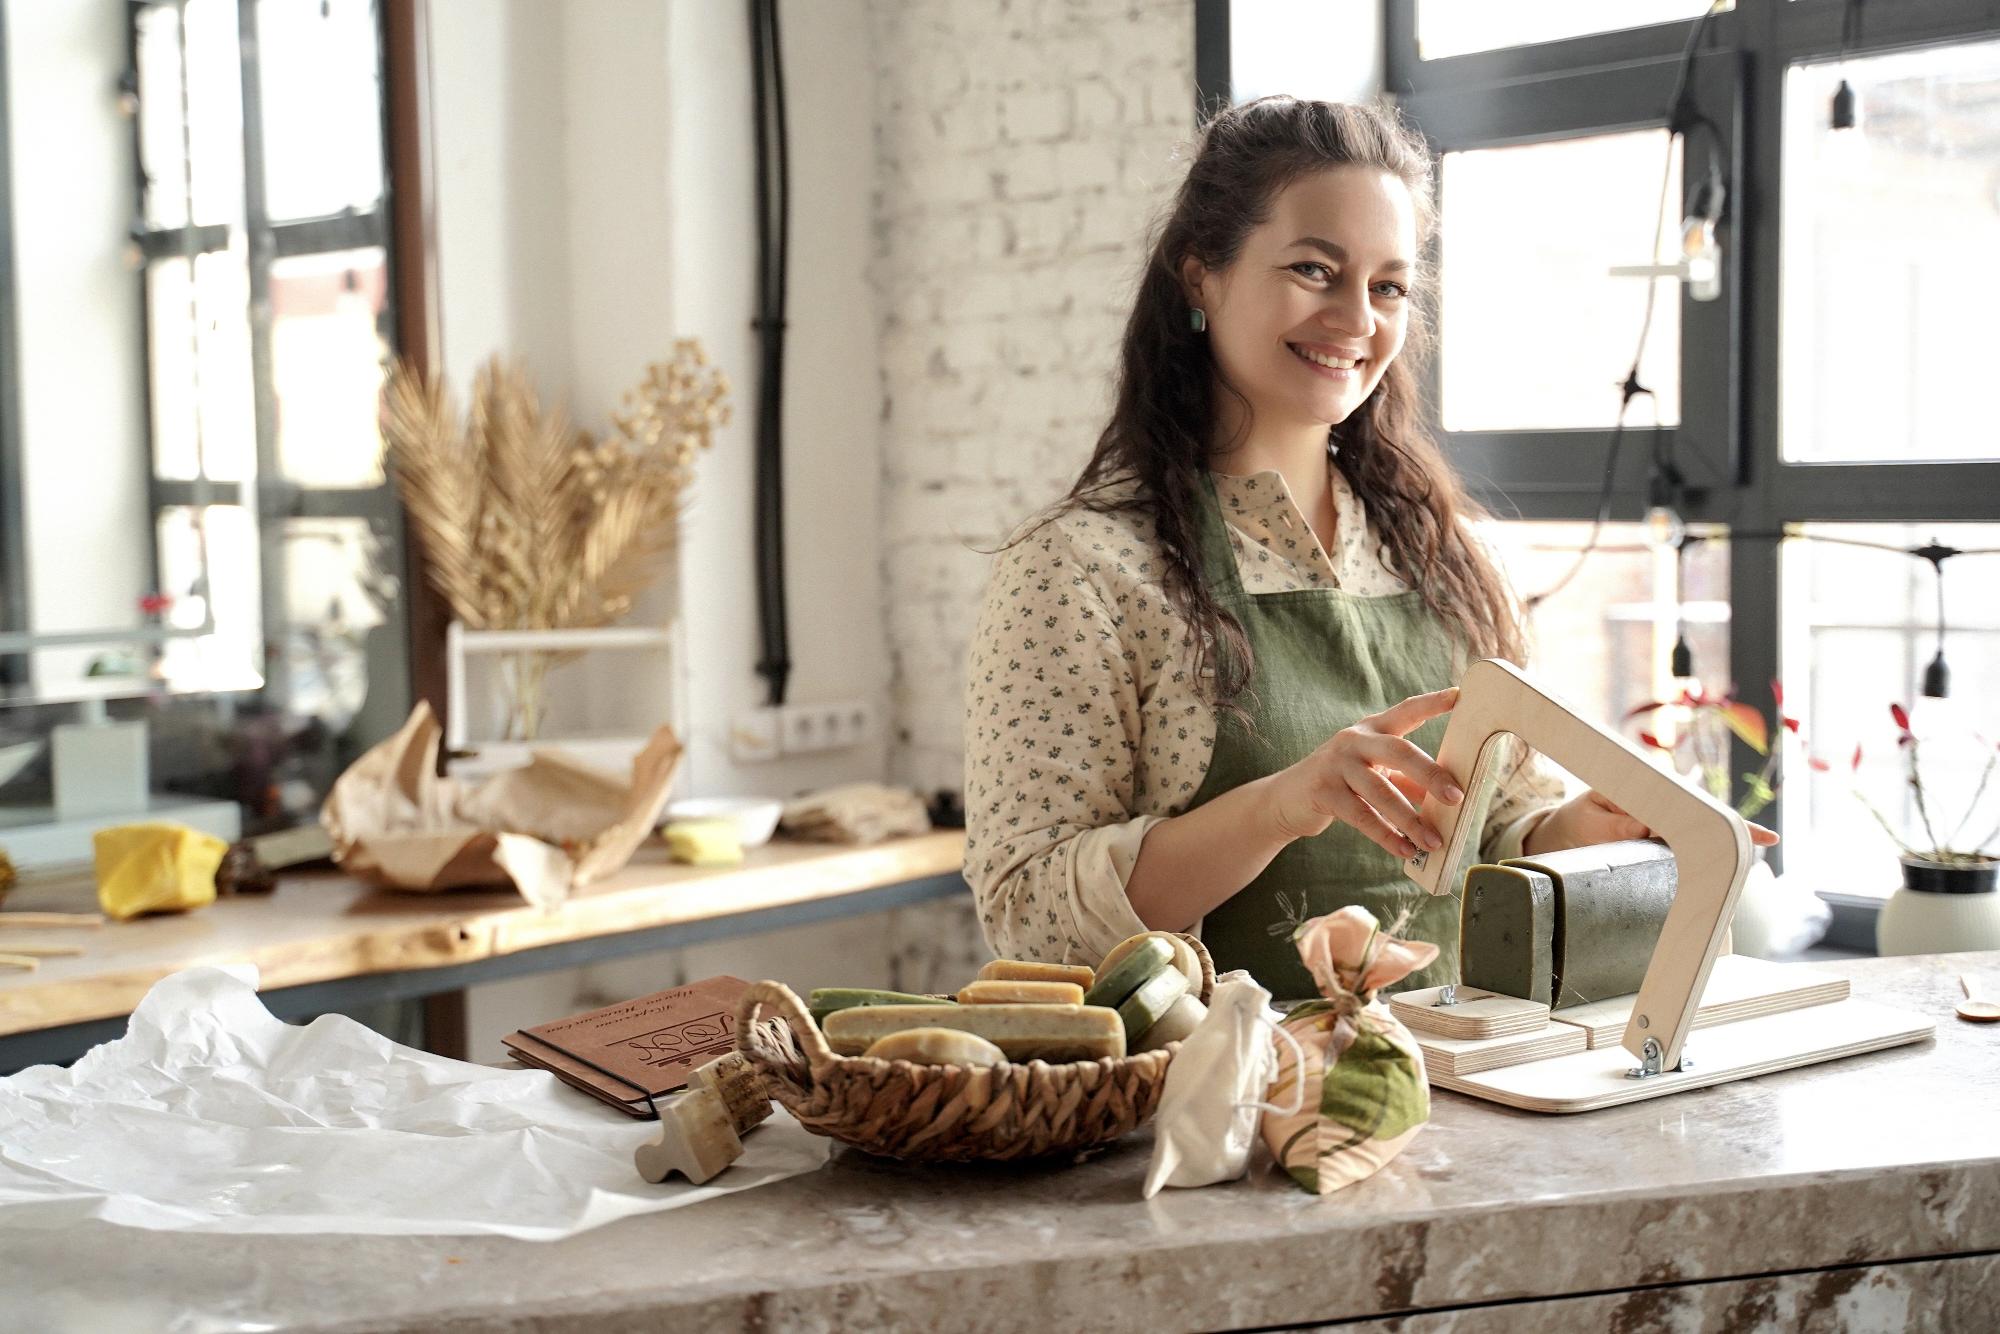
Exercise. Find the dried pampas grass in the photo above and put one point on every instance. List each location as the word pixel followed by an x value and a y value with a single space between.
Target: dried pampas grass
pixel 528 523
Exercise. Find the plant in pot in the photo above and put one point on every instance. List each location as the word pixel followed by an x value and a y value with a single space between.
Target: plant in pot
pixel 1772 919
pixel 1947 900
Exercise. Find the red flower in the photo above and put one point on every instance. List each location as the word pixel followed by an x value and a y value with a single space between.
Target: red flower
pixel 1778 693
pixel 1857 757
pixel 1649 739
pixel 1818 765
pixel 1791 724
pixel 1902 717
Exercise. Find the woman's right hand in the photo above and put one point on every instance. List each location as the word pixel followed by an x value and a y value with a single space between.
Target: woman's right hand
pixel 1369 776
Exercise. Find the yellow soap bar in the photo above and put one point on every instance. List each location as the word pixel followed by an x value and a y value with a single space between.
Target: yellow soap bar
pixel 1027 970
pixel 705 842
pixel 155 867
pixel 1023 1032
pixel 991 991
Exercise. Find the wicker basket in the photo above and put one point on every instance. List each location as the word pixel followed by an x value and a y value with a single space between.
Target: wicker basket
pixel 947 1113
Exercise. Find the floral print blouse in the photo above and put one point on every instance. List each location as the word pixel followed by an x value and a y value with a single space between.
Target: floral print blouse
pixel 1084 726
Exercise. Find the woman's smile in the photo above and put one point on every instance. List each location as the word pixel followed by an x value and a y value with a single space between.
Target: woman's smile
pixel 1339 366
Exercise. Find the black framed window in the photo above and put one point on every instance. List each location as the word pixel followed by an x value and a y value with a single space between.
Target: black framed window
pixel 265 236
pixel 1782 451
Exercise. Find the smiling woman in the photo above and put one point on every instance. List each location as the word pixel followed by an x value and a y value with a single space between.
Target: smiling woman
pixel 1205 687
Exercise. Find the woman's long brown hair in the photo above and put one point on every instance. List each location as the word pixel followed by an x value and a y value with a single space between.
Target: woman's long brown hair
pixel 1159 432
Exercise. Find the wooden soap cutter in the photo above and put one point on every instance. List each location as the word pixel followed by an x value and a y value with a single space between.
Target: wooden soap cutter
pixel 1711 847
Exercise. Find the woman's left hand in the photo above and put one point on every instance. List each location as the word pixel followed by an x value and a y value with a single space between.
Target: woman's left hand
pixel 1595 818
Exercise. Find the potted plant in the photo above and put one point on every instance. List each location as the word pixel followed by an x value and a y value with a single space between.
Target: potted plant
pixel 1772 919
pixel 1948 900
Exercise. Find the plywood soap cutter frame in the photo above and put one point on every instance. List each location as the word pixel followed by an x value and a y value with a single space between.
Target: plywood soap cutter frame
pixel 1711 846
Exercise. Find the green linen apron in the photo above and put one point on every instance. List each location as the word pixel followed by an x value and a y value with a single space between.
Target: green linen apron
pixel 1324 659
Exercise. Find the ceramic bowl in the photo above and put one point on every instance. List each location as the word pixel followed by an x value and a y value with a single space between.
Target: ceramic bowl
pixel 756 818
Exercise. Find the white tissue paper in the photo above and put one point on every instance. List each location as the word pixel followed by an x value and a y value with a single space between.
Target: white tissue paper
pixel 211 1115
pixel 1215 1086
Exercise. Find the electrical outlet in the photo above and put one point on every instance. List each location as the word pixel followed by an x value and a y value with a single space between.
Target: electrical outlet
pixel 799 729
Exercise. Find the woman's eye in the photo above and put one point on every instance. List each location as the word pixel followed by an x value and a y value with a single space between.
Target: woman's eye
pixel 1312 264
pixel 1396 290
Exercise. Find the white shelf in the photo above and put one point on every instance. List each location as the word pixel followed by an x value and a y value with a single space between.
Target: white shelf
pixel 515 641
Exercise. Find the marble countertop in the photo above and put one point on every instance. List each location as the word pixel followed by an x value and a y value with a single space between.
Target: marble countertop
pixel 1888 1156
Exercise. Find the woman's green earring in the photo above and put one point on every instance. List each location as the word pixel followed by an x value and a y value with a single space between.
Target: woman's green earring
pixel 1197 321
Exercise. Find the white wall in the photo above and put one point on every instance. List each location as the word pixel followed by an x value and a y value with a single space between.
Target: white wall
pixel 595 179
pixel 82 376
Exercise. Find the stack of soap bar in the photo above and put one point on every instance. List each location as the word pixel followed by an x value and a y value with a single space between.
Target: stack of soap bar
pixel 825 1000
pixel 992 991
pixel 1566 928
pixel 697 1138
pixel 1023 1032
pixel 1027 970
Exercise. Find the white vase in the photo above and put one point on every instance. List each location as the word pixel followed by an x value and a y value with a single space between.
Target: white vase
pixel 1931 921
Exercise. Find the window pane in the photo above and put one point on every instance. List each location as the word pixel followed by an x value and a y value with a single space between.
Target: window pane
pixel 1454 27
pixel 327 356
pixel 198 340
pixel 1605 641
pixel 208 560
pixel 336 591
pixel 1891 253
pixel 1533 230
pixel 1859 627
pixel 213 123
pixel 322 96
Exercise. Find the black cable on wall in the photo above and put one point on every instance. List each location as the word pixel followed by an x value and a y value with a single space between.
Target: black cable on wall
pixel 774 663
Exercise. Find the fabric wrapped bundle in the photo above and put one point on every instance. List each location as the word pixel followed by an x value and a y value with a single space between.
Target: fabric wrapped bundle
pixel 1366 1069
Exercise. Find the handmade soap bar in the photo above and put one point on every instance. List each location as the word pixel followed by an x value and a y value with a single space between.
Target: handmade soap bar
pixel 696 1139
pixel 936 1046
pixel 992 991
pixel 1123 975
pixel 825 1000
pixel 1027 970
pixel 732 1078
pixel 155 867
pixel 704 842
pixel 1180 1020
pixel 1024 1032
pixel 1146 1006
pixel 1506 932
pixel 1611 901
pixel 1184 956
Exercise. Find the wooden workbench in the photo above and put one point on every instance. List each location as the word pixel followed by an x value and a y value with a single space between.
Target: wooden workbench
pixel 323 940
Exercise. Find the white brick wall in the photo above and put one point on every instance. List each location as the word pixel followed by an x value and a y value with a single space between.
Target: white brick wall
pixel 1023 148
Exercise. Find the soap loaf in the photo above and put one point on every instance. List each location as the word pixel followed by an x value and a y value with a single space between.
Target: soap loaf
pixel 1184 956
pixel 1027 970
pixel 825 1000
pixel 1506 932
pixel 1127 971
pixel 1147 1005
pixel 1611 901
pixel 1024 1032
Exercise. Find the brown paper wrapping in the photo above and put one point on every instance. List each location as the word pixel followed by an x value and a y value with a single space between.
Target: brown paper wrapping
pixel 545 828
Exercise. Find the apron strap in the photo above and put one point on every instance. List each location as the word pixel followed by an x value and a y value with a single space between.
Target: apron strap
pixel 1218 556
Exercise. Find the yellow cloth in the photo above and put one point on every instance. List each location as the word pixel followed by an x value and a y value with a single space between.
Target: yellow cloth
pixel 155 867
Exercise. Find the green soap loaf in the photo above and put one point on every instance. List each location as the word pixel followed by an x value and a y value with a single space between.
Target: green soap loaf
pixel 825 1000
pixel 1611 899
pixel 1116 985
pixel 1150 1003
pixel 1506 931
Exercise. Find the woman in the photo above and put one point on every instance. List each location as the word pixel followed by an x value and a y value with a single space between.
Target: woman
pixel 1204 692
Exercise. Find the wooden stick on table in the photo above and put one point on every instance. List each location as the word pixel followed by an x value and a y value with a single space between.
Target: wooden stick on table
pixel 51 919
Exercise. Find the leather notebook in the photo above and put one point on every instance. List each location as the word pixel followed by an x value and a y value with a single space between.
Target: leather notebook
pixel 632 1052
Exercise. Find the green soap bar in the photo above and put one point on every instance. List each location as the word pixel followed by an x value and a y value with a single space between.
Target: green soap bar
pixel 1506 931
pixel 1145 959
pixel 825 1000
pixel 1611 900
pixel 1146 1006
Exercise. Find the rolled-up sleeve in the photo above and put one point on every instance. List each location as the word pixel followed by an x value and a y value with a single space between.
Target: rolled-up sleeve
pixel 1052 725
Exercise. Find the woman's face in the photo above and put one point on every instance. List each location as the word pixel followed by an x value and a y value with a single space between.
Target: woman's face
pixel 1316 305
